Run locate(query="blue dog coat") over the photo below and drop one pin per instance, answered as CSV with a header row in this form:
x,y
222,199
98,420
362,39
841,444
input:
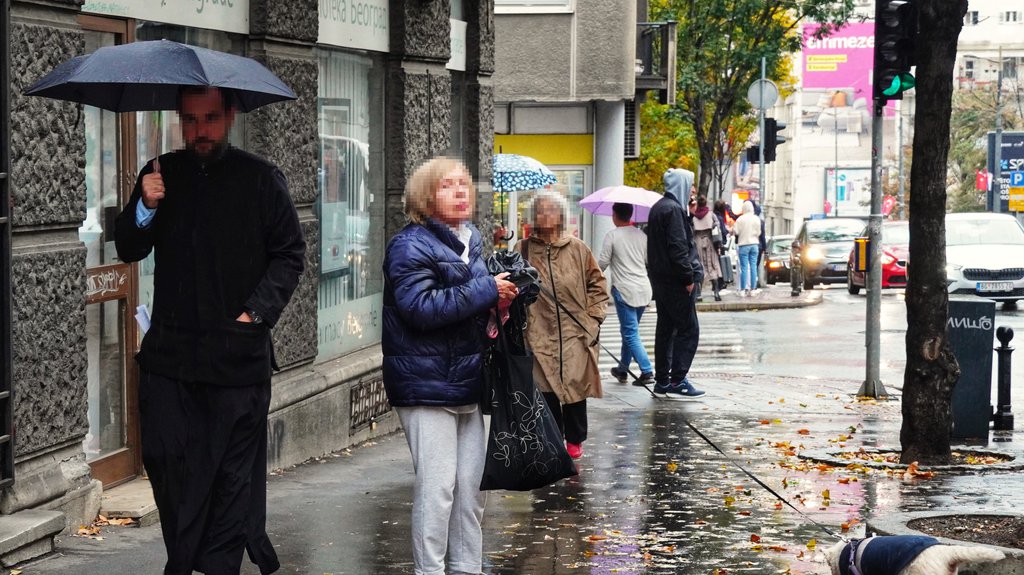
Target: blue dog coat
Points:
x,y
885,555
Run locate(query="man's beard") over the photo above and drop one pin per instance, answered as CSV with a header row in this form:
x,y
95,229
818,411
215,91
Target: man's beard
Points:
x,y
216,150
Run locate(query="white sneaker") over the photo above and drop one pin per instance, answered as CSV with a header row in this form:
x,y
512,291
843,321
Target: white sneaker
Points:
x,y
755,292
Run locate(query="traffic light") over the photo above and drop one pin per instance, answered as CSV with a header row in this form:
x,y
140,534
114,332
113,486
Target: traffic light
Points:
x,y
895,46
753,155
771,138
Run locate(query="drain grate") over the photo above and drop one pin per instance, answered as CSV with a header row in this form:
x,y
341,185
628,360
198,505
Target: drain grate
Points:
x,y
367,401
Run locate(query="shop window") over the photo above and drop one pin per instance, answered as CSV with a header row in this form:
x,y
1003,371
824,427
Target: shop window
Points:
x,y
572,185
350,204
458,144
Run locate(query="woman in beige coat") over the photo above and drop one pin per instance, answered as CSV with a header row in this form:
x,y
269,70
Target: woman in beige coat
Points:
x,y
565,353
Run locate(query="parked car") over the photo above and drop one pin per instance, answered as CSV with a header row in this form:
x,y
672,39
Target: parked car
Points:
x,y
821,249
985,256
895,253
777,263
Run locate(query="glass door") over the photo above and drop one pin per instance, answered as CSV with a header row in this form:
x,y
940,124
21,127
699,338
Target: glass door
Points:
x,y
112,443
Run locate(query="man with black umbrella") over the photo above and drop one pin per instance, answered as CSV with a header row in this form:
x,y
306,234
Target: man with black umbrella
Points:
x,y
229,252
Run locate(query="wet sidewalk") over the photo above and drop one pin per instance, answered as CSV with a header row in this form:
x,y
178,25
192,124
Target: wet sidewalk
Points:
x,y
651,497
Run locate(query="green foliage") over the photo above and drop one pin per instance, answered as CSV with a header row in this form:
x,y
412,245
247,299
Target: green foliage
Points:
x,y
721,43
974,115
666,142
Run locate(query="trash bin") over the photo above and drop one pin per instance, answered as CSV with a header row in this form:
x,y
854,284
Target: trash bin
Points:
x,y
970,327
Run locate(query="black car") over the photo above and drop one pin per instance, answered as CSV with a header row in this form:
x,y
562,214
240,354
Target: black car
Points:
x,y
777,263
821,250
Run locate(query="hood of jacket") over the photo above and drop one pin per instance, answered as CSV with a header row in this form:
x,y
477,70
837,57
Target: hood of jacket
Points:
x,y
678,183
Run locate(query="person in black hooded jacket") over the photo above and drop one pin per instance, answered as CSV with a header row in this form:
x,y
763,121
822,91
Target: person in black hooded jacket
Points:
x,y
673,266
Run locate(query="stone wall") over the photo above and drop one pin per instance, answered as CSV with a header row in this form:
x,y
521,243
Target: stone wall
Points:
x,y
49,358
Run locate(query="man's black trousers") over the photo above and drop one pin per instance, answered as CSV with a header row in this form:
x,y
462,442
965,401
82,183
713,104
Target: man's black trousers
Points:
x,y
676,333
205,450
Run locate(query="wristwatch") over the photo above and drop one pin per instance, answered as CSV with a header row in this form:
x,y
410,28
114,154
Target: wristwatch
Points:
x,y
255,316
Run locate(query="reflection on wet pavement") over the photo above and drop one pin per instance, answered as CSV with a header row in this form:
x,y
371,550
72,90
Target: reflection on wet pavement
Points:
x,y
652,497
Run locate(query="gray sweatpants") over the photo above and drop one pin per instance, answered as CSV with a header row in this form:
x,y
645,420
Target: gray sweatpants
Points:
x,y
448,451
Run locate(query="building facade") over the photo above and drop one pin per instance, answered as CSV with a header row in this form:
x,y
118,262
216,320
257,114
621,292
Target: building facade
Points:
x,y
564,73
381,85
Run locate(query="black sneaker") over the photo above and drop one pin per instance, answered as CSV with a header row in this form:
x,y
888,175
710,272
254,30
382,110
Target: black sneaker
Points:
x,y
645,378
618,374
682,391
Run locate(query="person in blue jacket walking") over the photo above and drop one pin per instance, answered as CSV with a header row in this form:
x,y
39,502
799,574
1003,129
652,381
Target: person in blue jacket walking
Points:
x,y
437,298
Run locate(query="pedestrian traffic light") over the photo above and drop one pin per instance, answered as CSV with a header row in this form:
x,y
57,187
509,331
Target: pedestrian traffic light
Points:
x,y
771,138
753,155
895,47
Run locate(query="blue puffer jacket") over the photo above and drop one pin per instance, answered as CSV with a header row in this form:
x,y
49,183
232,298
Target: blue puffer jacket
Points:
x,y
435,317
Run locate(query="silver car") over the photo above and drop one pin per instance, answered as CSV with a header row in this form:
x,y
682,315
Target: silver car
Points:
x,y
985,256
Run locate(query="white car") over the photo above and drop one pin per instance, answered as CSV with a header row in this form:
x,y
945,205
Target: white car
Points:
x,y
985,256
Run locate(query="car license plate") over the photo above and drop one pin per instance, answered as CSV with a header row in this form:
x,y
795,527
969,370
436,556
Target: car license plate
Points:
x,y
839,267
995,286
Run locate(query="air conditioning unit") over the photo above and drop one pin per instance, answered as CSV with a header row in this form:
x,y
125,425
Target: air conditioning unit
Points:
x,y
632,138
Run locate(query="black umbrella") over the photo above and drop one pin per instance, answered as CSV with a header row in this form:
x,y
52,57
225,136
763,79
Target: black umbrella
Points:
x,y
147,76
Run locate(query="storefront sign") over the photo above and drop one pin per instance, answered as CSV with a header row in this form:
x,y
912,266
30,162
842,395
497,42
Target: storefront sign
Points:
x,y
458,42
361,24
225,15
1011,159
106,282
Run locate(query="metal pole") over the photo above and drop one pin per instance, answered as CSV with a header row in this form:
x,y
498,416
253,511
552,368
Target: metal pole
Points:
x,y
760,146
899,156
6,378
1003,417
872,386
997,168
835,169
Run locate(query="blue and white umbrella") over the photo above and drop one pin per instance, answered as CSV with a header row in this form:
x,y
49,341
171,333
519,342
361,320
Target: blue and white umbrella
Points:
x,y
513,172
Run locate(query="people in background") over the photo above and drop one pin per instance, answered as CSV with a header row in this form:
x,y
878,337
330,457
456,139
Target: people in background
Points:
x,y
708,237
747,230
624,258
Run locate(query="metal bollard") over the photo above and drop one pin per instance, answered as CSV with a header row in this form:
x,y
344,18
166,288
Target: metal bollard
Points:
x,y
1003,417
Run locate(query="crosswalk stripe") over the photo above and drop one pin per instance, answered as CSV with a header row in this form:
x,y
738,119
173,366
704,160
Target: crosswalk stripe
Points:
x,y
721,345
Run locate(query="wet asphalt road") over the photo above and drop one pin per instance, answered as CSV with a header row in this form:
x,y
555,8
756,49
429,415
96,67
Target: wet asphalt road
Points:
x,y
652,497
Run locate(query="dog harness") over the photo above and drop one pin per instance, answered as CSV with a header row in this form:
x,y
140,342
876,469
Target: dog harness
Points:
x,y
886,555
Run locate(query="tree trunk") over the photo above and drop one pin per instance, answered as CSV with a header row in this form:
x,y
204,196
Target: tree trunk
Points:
x,y
931,370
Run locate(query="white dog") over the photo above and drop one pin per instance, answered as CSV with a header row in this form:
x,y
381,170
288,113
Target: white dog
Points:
x,y
904,555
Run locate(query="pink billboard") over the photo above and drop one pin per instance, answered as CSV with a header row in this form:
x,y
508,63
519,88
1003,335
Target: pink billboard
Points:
x,y
842,60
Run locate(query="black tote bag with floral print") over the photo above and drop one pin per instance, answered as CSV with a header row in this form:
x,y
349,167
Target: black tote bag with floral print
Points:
x,y
524,446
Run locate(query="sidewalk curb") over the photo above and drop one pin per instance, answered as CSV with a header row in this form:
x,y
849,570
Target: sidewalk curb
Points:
x,y
755,303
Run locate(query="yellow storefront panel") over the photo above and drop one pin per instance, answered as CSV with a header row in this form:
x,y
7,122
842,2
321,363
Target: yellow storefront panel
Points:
x,y
550,149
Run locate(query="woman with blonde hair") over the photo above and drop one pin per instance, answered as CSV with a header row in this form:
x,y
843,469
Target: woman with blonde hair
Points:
x,y
437,298
565,352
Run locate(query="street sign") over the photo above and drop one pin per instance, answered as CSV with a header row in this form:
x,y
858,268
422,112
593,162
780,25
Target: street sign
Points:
x,y
861,254
1016,179
1016,199
762,94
